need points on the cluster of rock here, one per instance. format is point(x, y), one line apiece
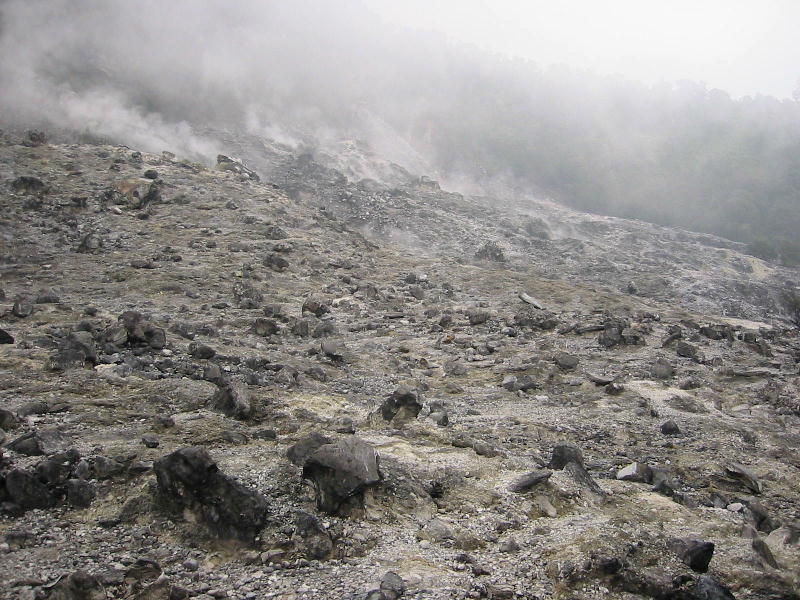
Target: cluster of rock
point(282, 403)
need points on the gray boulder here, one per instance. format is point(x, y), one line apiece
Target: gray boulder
point(341, 471)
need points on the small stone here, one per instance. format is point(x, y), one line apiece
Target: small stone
point(509, 546)
point(80, 493)
point(344, 424)
point(696, 554)
point(392, 586)
point(23, 307)
point(191, 564)
point(566, 361)
point(745, 476)
point(440, 418)
point(670, 428)
point(201, 351)
point(636, 472)
point(662, 369)
point(688, 350)
point(150, 440)
point(528, 481)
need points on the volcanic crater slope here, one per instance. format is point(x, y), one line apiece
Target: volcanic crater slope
point(310, 384)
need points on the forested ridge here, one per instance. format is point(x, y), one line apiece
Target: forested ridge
point(680, 155)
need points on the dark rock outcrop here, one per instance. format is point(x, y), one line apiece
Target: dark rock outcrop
point(189, 479)
point(341, 471)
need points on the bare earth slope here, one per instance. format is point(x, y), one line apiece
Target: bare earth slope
point(312, 387)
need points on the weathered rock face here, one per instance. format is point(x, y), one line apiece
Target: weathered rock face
point(189, 479)
point(341, 471)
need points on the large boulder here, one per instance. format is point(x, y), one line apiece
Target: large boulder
point(189, 479)
point(341, 471)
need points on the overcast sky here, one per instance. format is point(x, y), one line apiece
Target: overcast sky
point(745, 47)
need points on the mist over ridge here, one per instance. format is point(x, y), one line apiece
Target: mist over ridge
point(311, 74)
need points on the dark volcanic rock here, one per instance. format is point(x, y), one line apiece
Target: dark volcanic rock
point(246, 296)
point(189, 479)
point(526, 482)
point(516, 383)
point(708, 588)
point(140, 332)
point(232, 400)
point(8, 420)
point(491, 252)
point(688, 350)
point(530, 316)
point(201, 351)
point(300, 451)
point(273, 232)
point(670, 428)
point(28, 185)
point(636, 472)
point(478, 316)
point(564, 453)
point(26, 491)
point(56, 469)
point(566, 361)
point(79, 585)
point(403, 404)
point(311, 538)
point(696, 554)
point(5, 337)
point(23, 307)
point(340, 471)
point(35, 443)
point(744, 476)
point(316, 305)
point(80, 493)
point(662, 369)
point(265, 327)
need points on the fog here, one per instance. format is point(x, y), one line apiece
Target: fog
point(462, 102)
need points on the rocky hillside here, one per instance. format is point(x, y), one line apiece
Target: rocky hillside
point(328, 378)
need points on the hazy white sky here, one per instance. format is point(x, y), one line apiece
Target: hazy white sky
point(741, 46)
